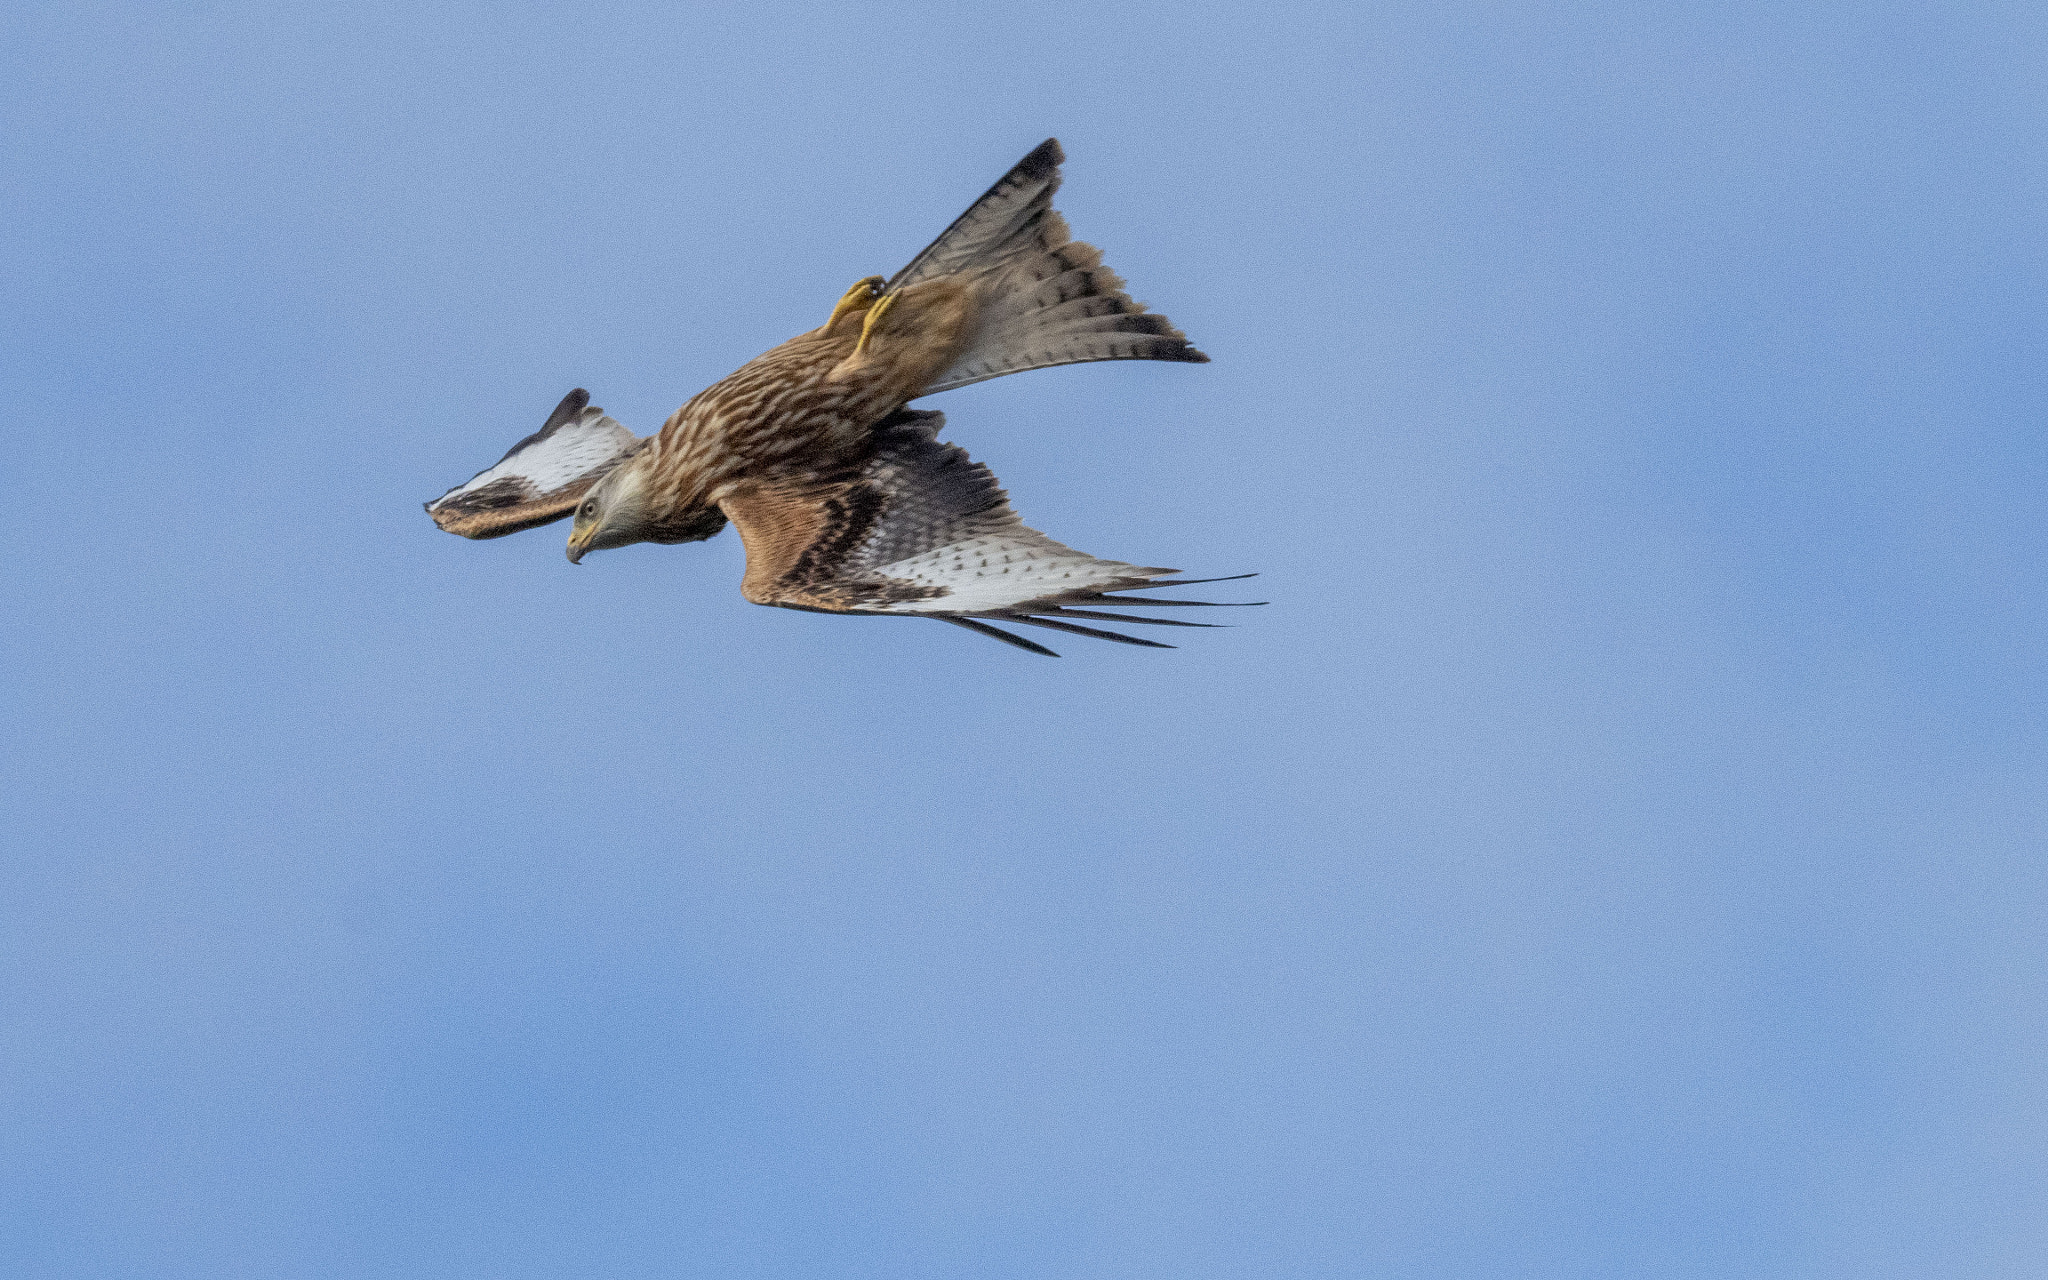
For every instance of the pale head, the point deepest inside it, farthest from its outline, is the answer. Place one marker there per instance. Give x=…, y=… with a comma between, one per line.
x=629, y=506
x=612, y=514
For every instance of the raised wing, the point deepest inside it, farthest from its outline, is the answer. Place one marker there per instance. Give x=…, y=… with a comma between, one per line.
x=542, y=477
x=921, y=530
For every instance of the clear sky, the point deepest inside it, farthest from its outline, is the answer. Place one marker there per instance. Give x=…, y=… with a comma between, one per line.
x=1616, y=852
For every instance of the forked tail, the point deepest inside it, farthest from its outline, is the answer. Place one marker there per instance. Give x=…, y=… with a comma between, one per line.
x=1046, y=298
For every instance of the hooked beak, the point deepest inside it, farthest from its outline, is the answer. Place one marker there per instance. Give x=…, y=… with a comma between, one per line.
x=578, y=544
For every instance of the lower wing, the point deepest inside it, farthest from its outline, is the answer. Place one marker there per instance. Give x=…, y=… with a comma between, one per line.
x=921, y=530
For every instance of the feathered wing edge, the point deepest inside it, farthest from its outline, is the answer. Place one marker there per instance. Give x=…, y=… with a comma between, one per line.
x=922, y=530
x=1056, y=615
x=540, y=479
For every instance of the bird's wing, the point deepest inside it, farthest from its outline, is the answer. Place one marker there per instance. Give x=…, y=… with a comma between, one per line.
x=542, y=477
x=922, y=530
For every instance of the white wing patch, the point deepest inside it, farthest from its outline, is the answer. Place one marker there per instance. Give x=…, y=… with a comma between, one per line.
x=561, y=459
x=947, y=545
x=1001, y=569
x=921, y=530
x=541, y=478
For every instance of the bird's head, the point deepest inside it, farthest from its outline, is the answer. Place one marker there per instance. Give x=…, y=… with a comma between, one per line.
x=612, y=514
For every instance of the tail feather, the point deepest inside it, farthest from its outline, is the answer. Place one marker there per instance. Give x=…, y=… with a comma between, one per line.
x=1046, y=298
x=1003, y=210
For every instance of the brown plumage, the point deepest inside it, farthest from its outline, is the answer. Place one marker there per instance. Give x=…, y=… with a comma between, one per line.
x=846, y=500
x=807, y=408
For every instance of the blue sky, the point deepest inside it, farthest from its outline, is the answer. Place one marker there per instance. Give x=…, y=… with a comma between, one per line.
x=1617, y=851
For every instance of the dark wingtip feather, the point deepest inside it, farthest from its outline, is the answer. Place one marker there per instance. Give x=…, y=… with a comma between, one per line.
x=1116, y=596
x=997, y=633
x=572, y=404
x=1099, y=616
x=1125, y=602
x=1090, y=632
x=1186, y=582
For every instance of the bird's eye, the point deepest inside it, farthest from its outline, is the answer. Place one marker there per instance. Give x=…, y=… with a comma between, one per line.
x=589, y=511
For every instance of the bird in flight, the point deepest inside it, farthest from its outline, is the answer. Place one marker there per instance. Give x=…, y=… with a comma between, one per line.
x=846, y=499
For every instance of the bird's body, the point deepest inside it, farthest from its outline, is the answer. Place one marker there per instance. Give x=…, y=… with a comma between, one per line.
x=846, y=500
x=803, y=410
